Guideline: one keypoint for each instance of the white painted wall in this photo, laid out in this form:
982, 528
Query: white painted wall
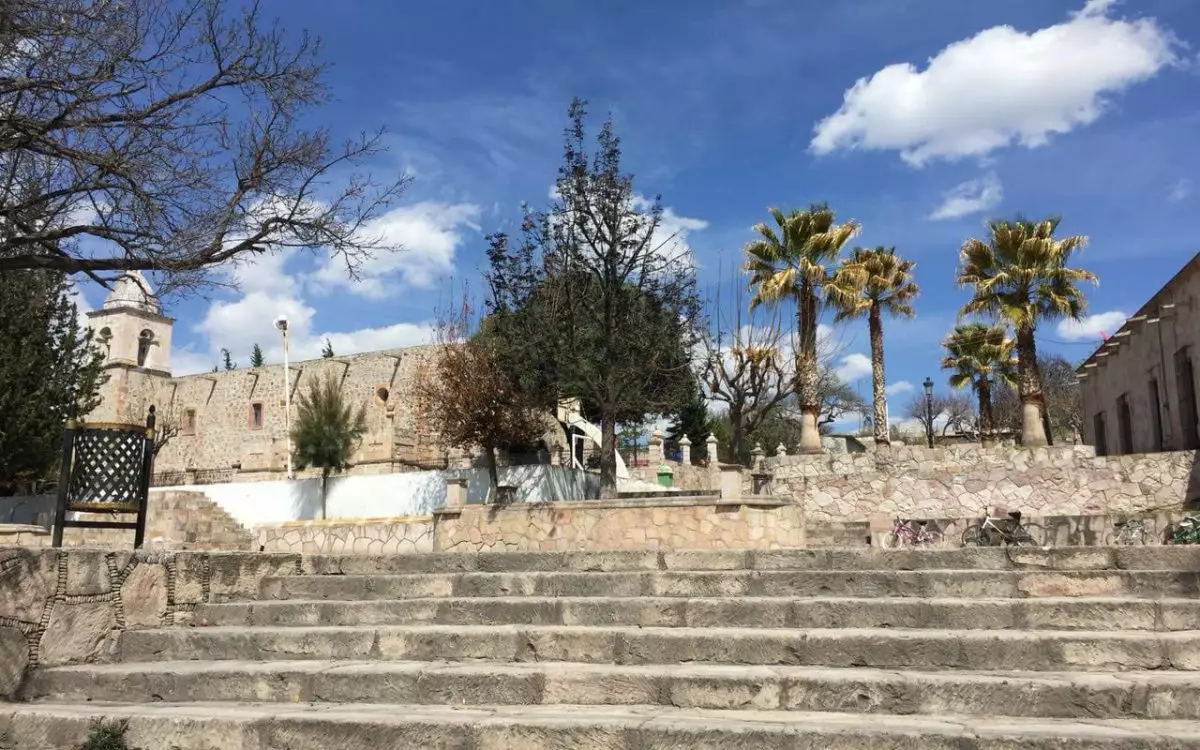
386, 495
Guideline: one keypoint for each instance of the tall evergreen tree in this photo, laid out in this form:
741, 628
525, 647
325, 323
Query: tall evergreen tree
48, 364
694, 421
227, 360
256, 357
327, 352
592, 299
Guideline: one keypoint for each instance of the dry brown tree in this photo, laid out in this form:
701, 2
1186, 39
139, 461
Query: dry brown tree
467, 398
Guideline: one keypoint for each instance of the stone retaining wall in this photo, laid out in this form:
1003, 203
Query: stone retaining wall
69, 606
958, 482
675, 523
367, 536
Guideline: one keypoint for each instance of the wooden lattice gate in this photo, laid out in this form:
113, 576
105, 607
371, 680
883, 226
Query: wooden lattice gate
106, 468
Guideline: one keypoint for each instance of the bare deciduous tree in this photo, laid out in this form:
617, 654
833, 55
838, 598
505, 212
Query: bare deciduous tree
169, 136
953, 412
746, 365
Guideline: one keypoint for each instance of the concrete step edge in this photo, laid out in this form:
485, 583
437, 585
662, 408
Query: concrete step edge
271, 727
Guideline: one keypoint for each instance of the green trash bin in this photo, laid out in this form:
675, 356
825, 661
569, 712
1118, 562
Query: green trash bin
665, 475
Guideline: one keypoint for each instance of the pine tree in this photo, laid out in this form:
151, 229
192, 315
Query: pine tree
228, 362
694, 421
256, 356
327, 430
49, 368
327, 352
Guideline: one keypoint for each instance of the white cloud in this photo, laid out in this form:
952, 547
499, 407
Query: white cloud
428, 234
900, 386
1091, 326
970, 197
1180, 190
1000, 86
853, 367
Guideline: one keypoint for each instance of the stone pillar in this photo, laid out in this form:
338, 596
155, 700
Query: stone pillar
731, 482
712, 451
780, 450
456, 493
757, 462
685, 449
655, 453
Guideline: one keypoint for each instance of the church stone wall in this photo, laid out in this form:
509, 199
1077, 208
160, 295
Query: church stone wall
217, 436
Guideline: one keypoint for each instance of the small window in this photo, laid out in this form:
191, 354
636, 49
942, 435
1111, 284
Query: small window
105, 333
145, 338
256, 416
188, 427
382, 394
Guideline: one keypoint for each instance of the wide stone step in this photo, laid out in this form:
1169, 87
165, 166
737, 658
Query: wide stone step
924, 583
1026, 650
1053, 613
322, 727
1148, 695
858, 558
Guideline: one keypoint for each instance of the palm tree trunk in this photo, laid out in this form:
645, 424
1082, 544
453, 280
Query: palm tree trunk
987, 425
878, 381
807, 375
1033, 431
737, 433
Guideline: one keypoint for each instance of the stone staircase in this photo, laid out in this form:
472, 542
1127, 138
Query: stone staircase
992, 649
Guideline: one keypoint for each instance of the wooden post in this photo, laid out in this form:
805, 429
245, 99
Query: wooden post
64, 481
139, 532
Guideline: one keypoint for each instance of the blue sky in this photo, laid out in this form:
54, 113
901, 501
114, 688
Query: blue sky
918, 118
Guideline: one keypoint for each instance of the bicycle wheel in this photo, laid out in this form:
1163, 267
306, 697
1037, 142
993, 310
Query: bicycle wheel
891, 541
974, 536
1112, 539
1029, 535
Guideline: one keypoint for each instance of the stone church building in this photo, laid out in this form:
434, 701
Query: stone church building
229, 425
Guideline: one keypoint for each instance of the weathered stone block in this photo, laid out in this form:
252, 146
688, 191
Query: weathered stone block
144, 596
14, 656
87, 572
28, 579
78, 633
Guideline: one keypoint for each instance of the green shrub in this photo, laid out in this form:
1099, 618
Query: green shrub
106, 735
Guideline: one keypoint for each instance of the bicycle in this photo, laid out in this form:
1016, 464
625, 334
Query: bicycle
1186, 531
1128, 533
906, 532
992, 532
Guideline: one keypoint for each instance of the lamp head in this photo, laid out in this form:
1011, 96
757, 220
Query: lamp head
928, 386
282, 323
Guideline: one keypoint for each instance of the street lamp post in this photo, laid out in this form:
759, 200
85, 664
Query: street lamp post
929, 411
282, 324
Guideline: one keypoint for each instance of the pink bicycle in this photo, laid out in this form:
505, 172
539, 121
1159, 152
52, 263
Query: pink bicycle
911, 533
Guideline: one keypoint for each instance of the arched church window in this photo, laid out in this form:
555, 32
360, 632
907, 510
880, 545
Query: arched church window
105, 339
145, 338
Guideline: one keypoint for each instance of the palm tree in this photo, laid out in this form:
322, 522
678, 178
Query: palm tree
980, 355
871, 283
1020, 275
327, 430
796, 263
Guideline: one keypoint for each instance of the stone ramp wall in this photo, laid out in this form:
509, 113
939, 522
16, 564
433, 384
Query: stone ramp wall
175, 520
958, 482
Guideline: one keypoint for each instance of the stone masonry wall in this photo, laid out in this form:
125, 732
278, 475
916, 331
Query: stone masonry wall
70, 606
382, 536
958, 482
224, 443
704, 523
